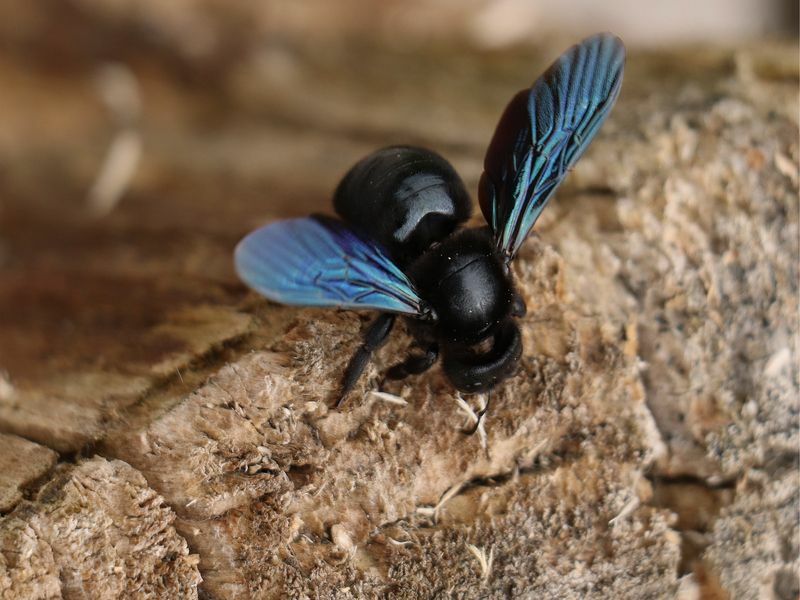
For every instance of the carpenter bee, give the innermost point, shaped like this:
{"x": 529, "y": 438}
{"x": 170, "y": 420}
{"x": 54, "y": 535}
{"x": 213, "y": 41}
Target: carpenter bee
{"x": 400, "y": 247}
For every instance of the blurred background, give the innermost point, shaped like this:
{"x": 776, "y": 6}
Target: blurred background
{"x": 140, "y": 140}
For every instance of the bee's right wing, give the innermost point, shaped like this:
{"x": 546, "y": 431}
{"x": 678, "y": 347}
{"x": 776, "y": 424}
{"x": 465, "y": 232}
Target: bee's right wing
{"x": 543, "y": 132}
{"x": 319, "y": 261}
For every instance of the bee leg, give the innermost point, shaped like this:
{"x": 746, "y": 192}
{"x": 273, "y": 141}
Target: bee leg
{"x": 414, "y": 364}
{"x": 374, "y": 337}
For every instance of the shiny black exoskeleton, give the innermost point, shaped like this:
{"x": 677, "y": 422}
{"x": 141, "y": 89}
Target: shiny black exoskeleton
{"x": 401, "y": 246}
{"x": 412, "y": 202}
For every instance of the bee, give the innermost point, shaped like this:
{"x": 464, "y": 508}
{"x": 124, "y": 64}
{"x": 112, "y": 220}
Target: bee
{"x": 400, "y": 246}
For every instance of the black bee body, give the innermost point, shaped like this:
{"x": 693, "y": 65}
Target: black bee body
{"x": 401, "y": 248}
{"x": 472, "y": 294}
{"x": 412, "y": 202}
{"x": 404, "y": 198}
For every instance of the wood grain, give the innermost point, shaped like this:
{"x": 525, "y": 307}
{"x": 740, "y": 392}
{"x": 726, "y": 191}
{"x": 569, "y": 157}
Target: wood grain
{"x": 165, "y": 433}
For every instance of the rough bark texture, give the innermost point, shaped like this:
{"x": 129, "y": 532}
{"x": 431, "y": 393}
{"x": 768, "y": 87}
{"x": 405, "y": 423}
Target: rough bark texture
{"x": 164, "y": 433}
{"x": 95, "y": 530}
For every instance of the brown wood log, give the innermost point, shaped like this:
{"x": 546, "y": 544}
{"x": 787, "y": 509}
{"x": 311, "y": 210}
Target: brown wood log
{"x": 165, "y": 433}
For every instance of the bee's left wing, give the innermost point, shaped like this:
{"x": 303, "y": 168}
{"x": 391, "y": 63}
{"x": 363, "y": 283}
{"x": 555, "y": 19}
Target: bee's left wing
{"x": 319, "y": 261}
{"x": 543, "y": 132}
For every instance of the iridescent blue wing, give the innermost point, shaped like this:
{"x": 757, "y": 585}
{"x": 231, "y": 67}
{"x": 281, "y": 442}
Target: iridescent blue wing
{"x": 318, "y": 261}
{"x": 543, "y": 132}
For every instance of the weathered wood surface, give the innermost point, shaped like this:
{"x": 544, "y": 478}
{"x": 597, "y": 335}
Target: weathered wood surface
{"x": 161, "y": 425}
